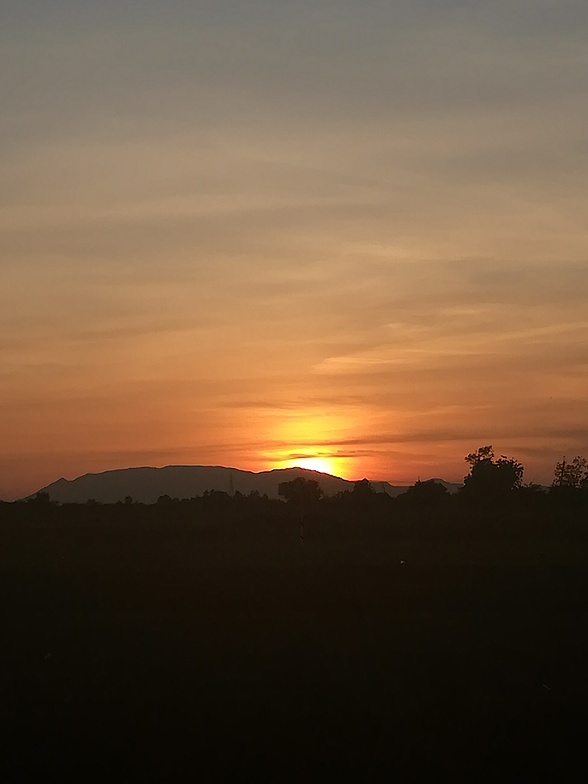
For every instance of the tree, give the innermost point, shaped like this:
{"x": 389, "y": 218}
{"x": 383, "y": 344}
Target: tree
{"x": 426, "y": 494}
{"x": 300, "y": 492}
{"x": 42, "y": 498}
{"x": 481, "y": 454}
{"x": 490, "y": 478}
{"x": 363, "y": 491}
{"x": 574, "y": 474}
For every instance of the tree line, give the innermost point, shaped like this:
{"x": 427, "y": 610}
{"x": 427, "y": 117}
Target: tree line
{"x": 490, "y": 479}
{"x": 492, "y": 483}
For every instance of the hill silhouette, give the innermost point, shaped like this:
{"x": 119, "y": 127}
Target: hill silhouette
{"x": 147, "y": 484}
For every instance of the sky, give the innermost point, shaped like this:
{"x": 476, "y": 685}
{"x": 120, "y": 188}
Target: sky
{"x": 259, "y": 233}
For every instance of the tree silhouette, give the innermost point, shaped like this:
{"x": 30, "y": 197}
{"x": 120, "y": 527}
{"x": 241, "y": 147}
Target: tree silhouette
{"x": 300, "y": 492}
{"x": 426, "y": 494}
{"x": 574, "y": 474}
{"x": 362, "y": 490}
{"x": 42, "y": 498}
{"x": 490, "y": 478}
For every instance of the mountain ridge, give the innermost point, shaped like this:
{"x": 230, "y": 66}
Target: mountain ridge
{"x": 146, "y": 484}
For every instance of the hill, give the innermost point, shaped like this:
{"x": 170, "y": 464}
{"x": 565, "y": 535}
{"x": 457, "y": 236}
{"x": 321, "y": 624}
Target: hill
{"x": 147, "y": 484}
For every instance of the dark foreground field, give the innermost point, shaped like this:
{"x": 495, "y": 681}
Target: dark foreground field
{"x": 178, "y": 651}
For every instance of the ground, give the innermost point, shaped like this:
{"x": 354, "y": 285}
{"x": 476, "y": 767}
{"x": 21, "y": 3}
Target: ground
{"x": 187, "y": 652}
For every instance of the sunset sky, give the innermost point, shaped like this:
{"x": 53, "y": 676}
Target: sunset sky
{"x": 262, "y": 233}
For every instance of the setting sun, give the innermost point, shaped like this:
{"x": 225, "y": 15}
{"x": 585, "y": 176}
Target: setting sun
{"x": 303, "y": 439}
{"x": 325, "y": 465}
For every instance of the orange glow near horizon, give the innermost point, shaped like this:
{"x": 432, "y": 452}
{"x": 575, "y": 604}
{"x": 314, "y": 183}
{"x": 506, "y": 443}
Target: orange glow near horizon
{"x": 306, "y": 441}
{"x": 326, "y": 465}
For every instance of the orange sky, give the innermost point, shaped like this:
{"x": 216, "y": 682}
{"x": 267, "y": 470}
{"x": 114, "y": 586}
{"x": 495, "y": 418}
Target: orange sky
{"x": 353, "y": 233}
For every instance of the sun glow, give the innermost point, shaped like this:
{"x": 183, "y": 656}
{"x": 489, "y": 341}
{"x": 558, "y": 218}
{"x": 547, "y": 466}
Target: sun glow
{"x": 301, "y": 439}
{"x": 325, "y": 465}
